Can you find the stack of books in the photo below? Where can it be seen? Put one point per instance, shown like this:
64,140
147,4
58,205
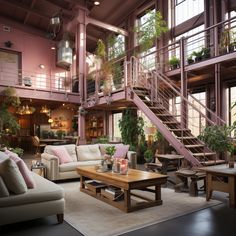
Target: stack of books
113,193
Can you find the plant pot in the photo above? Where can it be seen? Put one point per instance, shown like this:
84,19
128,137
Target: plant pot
197,59
190,61
231,48
173,67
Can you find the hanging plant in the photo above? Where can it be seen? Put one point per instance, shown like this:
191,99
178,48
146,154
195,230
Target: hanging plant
152,29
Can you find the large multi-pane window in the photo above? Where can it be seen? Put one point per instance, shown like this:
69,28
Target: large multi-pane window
196,122
195,43
116,46
148,58
116,129
231,109
186,9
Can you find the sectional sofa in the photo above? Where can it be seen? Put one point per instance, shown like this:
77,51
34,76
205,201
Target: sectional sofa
43,199
82,155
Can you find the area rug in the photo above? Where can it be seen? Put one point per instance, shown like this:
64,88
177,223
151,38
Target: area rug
93,217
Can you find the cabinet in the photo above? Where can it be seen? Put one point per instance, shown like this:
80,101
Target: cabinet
94,127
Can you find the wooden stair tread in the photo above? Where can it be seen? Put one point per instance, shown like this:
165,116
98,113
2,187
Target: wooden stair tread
173,130
212,162
161,114
202,154
157,108
187,137
194,145
170,122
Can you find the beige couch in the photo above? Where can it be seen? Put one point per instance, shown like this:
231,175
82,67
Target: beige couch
45,199
82,155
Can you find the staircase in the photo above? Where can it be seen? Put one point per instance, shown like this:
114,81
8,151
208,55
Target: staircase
152,91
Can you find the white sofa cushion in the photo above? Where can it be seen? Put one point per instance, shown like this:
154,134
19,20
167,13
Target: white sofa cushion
88,152
72,165
11,176
45,190
70,148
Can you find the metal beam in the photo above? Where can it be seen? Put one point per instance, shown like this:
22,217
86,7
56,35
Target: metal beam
63,10
25,8
20,26
28,13
107,26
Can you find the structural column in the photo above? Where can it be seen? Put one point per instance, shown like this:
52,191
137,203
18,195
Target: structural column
81,68
184,94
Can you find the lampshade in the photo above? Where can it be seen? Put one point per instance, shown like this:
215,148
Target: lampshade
44,109
50,120
150,130
25,110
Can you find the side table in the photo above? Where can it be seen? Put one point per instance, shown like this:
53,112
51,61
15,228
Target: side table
40,169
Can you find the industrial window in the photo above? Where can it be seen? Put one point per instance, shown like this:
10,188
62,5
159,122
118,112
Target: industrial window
116,47
187,9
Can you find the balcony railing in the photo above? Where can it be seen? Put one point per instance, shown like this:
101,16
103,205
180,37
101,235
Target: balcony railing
62,82
214,41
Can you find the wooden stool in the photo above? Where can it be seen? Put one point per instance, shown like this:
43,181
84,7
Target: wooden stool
195,176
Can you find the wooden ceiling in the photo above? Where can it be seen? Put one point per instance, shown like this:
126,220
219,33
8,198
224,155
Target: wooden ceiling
34,15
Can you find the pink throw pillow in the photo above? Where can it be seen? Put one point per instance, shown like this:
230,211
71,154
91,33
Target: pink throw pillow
62,154
24,170
121,151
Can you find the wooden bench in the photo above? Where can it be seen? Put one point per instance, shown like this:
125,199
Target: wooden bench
195,176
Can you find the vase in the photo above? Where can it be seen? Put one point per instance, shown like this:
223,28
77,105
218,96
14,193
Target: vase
231,164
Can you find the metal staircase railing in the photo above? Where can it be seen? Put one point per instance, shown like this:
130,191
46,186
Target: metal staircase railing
156,91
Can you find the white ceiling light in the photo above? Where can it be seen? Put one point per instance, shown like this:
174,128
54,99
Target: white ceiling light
96,3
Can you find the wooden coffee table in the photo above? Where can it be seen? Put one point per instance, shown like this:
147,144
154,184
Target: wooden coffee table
135,179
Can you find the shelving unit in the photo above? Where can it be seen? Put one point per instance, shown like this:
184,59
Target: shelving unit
94,127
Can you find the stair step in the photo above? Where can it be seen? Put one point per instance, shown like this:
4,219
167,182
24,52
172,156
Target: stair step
163,114
157,108
212,162
173,130
204,154
170,122
187,137
194,146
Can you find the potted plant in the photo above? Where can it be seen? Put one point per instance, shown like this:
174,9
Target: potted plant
131,128
108,157
190,59
8,122
60,133
217,138
148,155
174,62
206,53
197,55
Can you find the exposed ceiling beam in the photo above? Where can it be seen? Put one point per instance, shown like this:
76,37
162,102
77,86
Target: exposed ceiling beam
28,13
107,26
26,8
64,11
20,26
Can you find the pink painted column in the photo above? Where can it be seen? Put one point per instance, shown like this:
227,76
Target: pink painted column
81,69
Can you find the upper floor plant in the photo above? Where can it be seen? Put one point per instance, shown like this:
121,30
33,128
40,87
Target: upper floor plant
152,29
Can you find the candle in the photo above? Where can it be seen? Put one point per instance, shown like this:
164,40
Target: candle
124,167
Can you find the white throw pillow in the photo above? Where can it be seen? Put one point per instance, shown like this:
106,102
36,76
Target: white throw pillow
12,177
88,152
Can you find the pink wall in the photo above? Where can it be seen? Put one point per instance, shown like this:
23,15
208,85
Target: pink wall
35,50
